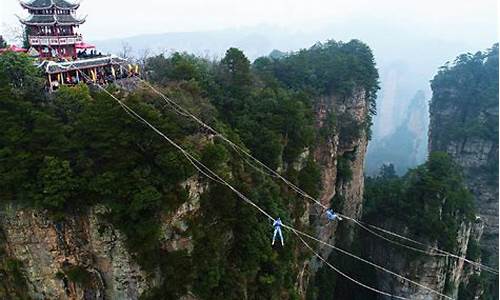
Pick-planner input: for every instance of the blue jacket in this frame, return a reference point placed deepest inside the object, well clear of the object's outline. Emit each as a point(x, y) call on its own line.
point(331, 215)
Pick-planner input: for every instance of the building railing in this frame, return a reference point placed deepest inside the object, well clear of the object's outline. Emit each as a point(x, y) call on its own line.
point(54, 40)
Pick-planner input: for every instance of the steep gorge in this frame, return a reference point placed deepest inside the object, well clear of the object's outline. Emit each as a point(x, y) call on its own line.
point(451, 201)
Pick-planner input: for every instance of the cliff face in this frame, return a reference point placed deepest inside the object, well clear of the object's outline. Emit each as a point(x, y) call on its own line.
point(334, 146)
point(341, 156)
point(48, 250)
point(84, 256)
point(353, 151)
point(454, 231)
point(464, 123)
point(438, 273)
point(103, 212)
point(475, 155)
point(478, 157)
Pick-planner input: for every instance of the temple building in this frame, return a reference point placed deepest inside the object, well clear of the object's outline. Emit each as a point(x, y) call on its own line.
point(52, 27)
point(53, 38)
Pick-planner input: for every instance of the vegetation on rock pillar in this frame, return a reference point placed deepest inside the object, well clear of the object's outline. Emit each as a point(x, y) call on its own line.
point(469, 85)
point(464, 123)
point(76, 148)
point(435, 190)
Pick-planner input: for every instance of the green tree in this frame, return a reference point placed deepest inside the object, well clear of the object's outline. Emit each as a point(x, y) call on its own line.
point(69, 102)
point(470, 86)
point(235, 80)
point(387, 171)
point(214, 156)
point(235, 72)
point(19, 75)
point(57, 183)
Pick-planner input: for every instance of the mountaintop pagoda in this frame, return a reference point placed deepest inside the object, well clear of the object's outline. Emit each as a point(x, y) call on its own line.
point(53, 38)
point(51, 27)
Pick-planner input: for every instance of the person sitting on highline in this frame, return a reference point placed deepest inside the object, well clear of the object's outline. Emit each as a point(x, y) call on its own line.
point(331, 215)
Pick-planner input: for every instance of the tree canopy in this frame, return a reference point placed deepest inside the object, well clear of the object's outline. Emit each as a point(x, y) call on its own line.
point(469, 87)
point(435, 190)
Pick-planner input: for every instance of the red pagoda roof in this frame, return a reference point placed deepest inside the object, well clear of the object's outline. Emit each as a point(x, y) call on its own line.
point(13, 48)
point(46, 4)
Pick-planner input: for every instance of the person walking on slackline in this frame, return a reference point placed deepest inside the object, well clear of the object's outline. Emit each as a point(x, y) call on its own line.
point(277, 230)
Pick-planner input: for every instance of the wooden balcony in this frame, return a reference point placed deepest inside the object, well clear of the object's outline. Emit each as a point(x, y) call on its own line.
point(54, 40)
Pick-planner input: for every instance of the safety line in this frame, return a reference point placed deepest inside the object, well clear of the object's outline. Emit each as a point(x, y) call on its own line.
point(275, 174)
point(243, 197)
point(345, 275)
point(479, 265)
point(365, 261)
point(395, 242)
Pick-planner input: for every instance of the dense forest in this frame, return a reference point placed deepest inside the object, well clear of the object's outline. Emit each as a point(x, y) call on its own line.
point(76, 148)
point(435, 190)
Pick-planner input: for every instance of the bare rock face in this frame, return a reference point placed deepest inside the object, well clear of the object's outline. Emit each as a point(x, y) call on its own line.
point(122, 277)
point(174, 225)
point(337, 145)
point(440, 273)
point(352, 190)
point(84, 256)
point(52, 251)
point(348, 192)
point(477, 155)
point(474, 154)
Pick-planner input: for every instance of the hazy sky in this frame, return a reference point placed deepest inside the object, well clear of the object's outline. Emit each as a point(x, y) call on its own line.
point(119, 18)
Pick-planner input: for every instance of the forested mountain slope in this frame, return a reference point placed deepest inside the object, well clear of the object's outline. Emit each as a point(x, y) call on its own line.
point(94, 205)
